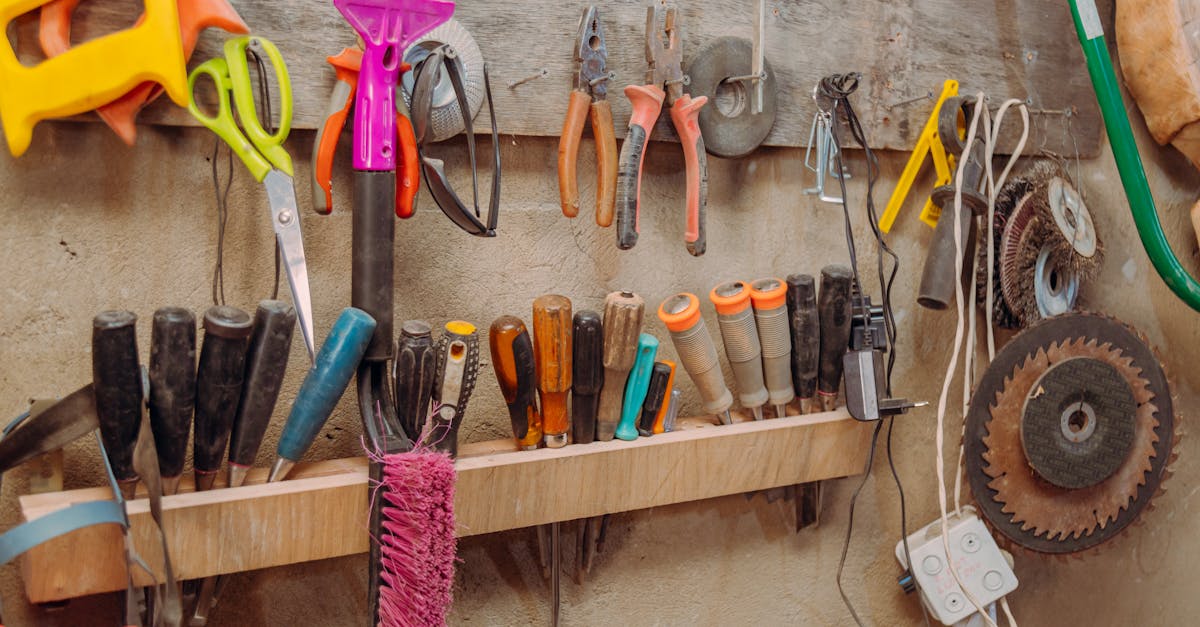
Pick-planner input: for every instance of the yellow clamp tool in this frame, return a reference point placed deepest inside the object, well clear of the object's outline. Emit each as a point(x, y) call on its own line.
point(91, 74)
point(927, 144)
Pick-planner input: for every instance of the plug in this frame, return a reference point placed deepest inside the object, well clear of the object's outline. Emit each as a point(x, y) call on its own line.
point(865, 386)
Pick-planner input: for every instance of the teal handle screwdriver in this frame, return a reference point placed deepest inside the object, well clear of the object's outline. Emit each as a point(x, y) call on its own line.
point(636, 386)
point(323, 386)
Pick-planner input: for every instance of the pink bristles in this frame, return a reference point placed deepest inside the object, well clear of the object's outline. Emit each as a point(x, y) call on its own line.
point(417, 543)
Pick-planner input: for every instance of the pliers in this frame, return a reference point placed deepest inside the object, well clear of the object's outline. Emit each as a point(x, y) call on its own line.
point(346, 65)
point(592, 55)
point(647, 100)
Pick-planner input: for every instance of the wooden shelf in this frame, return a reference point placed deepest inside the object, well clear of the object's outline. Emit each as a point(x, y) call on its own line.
point(321, 511)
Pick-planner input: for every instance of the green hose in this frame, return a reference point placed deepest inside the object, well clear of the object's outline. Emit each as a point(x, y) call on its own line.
point(1129, 162)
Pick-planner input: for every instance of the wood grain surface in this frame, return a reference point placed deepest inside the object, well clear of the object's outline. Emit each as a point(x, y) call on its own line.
point(905, 49)
point(321, 510)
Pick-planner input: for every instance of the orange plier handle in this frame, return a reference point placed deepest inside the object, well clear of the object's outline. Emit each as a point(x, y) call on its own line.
point(346, 65)
point(647, 101)
point(606, 156)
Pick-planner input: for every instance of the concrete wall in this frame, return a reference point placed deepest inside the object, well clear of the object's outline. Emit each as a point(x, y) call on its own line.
point(90, 224)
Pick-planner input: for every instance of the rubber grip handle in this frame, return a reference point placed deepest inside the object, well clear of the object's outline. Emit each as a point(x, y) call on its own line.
point(636, 387)
point(330, 129)
point(833, 307)
point(172, 386)
point(744, 351)
point(587, 374)
point(938, 276)
point(685, 113)
point(336, 363)
point(622, 324)
point(372, 265)
point(552, 346)
point(457, 370)
point(769, 298)
point(266, 364)
point(698, 355)
point(408, 168)
point(414, 374)
point(568, 152)
point(656, 391)
point(118, 386)
point(806, 333)
point(647, 103)
point(218, 384)
point(513, 361)
point(606, 161)
point(660, 420)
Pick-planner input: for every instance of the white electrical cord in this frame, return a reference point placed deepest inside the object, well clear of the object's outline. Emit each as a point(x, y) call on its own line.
point(990, 132)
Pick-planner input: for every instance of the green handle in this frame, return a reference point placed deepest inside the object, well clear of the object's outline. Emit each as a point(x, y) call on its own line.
point(1129, 162)
point(262, 151)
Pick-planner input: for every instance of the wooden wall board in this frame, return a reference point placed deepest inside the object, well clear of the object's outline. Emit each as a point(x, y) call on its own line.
point(321, 511)
point(905, 49)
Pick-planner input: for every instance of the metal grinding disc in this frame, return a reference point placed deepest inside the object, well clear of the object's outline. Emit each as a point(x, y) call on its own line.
point(1055, 289)
point(445, 119)
point(1028, 511)
point(1072, 216)
point(1077, 426)
point(729, 127)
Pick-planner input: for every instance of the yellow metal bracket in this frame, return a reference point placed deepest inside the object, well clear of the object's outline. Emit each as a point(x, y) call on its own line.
point(91, 74)
point(928, 144)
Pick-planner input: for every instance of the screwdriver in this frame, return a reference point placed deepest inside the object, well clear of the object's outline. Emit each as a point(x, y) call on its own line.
point(336, 363)
point(117, 380)
point(457, 368)
point(742, 347)
point(414, 369)
point(833, 307)
point(636, 386)
point(681, 314)
point(769, 297)
point(806, 338)
point(656, 393)
point(172, 389)
point(512, 357)
point(266, 363)
point(552, 345)
point(587, 376)
point(218, 388)
point(660, 419)
point(622, 323)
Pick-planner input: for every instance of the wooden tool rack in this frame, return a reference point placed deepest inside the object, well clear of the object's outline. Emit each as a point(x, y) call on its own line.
point(321, 510)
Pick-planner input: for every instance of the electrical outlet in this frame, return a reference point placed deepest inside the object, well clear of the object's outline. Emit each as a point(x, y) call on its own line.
point(985, 570)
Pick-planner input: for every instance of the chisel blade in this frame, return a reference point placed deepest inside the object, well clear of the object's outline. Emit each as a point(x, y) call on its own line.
point(61, 423)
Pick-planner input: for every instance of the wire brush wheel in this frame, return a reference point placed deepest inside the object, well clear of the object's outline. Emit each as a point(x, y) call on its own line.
point(445, 119)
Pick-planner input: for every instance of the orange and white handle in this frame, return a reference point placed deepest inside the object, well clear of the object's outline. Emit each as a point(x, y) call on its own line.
point(345, 65)
point(684, 115)
point(647, 103)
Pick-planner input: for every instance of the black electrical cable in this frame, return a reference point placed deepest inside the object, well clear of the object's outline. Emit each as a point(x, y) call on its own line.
point(267, 121)
point(838, 88)
point(850, 523)
point(222, 196)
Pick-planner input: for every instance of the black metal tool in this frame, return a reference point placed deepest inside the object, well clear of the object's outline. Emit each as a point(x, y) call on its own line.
point(414, 372)
point(118, 385)
point(172, 389)
point(218, 388)
point(60, 424)
point(266, 363)
point(655, 396)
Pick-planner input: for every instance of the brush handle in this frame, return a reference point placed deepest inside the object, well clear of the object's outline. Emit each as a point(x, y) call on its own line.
point(266, 363)
point(172, 386)
point(336, 363)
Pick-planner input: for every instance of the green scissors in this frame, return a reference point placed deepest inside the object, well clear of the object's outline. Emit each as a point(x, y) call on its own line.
point(262, 152)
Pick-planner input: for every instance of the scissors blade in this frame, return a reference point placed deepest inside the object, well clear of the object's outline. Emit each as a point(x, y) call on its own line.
point(285, 218)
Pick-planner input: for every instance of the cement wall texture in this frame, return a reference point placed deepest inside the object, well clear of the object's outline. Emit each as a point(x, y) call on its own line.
point(90, 224)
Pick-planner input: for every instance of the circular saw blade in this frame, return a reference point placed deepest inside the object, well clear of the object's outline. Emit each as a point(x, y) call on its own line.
point(1025, 508)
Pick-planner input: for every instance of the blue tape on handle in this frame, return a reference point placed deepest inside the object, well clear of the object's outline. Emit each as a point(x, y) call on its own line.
point(30, 534)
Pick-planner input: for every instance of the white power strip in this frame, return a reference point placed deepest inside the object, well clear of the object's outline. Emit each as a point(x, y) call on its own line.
point(984, 569)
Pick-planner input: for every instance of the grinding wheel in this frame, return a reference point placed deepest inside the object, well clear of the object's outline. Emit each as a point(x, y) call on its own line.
point(445, 120)
point(729, 127)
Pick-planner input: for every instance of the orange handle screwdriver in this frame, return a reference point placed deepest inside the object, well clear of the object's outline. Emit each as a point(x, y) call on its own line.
point(512, 356)
point(660, 420)
point(552, 345)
